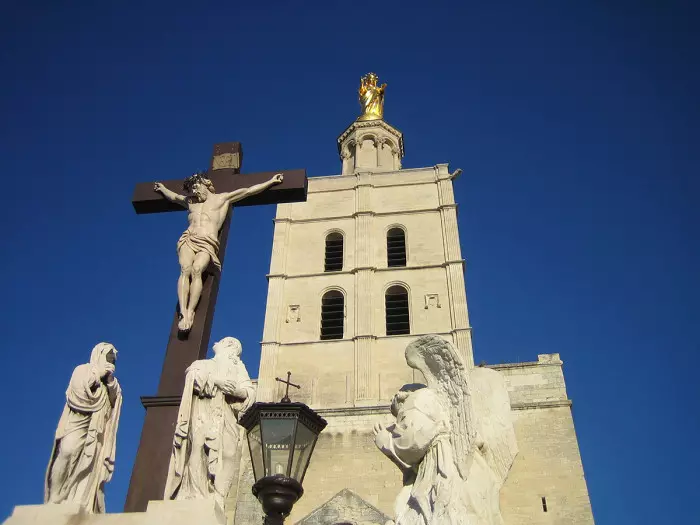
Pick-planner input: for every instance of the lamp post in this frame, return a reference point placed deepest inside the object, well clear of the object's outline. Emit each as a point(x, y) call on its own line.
point(281, 438)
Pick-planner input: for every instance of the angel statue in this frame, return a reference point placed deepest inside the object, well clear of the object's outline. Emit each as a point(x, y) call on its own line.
point(452, 439)
point(371, 98)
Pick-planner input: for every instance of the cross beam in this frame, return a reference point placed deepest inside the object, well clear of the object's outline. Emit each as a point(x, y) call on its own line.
point(292, 189)
point(153, 456)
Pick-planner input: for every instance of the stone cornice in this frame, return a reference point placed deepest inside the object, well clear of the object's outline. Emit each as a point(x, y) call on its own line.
point(351, 411)
point(532, 405)
point(365, 124)
point(160, 401)
point(354, 411)
point(371, 268)
point(363, 336)
point(525, 364)
point(372, 213)
point(371, 185)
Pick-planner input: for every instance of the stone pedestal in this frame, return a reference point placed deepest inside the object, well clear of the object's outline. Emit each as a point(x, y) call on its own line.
point(201, 512)
point(371, 145)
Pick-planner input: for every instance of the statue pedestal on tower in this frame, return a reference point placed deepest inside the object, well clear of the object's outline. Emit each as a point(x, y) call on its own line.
point(202, 512)
point(370, 145)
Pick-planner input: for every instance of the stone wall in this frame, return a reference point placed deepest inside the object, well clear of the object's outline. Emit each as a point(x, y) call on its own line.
point(548, 463)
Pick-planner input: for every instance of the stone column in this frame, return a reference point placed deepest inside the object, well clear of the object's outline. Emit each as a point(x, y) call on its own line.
point(364, 273)
point(454, 265)
point(275, 309)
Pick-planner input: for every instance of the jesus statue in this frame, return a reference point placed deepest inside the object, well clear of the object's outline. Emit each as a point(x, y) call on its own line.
point(199, 244)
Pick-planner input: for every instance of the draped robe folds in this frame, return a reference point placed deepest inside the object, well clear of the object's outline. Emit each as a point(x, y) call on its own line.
point(201, 242)
point(207, 431)
point(90, 416)
point(371, 98)
point(433, 491)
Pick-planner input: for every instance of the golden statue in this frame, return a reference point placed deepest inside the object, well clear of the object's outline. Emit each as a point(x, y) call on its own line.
point(371, 98)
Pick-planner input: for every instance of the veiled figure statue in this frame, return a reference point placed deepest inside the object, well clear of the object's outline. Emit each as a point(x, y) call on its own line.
point(217, 392)
point(82, 459)
point(371, 98)
point(454, 453)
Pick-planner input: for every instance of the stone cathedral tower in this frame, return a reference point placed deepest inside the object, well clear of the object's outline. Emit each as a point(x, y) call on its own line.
point(371, 261)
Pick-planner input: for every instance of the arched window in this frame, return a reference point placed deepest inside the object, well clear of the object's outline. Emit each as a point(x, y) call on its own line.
point(395, 247)
point(396, 304)
point(334, 252)
point(332, 315)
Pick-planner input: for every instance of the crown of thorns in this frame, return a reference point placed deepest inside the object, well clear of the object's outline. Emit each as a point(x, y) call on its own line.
point(199, 177)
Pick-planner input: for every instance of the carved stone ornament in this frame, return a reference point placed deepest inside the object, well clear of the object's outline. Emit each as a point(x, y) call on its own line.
point(293, 313)
point(453, 439)
point(432, 300)
point(217, 391)
point(345, 507)
point(84, 449)
point(226, 160)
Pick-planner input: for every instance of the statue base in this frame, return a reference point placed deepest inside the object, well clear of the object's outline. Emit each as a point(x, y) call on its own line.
point(201, 512)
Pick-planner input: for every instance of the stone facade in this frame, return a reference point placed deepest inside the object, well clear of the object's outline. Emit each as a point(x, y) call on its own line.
point(549, 463)
point(350, 381)
point(367, 366)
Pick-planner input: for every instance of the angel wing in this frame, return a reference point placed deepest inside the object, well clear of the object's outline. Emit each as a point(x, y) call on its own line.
point(491, 406)
point(445, 372)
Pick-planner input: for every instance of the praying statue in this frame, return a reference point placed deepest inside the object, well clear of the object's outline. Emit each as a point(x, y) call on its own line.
point(453, 440)
point(198, 246)
point(82, 459)
point(217, 392)
point(371, 98)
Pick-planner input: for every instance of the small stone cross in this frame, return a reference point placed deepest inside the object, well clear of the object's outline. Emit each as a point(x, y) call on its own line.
point(286, 399)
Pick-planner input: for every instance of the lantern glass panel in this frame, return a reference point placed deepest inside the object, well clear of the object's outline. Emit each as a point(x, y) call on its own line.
point(256, 454)
point(303, 446)
point(278, 439)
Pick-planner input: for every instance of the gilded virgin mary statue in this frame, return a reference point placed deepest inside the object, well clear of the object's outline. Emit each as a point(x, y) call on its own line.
point(371, 98)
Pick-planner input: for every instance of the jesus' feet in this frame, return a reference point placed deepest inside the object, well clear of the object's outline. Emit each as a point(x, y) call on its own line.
point(185, 322)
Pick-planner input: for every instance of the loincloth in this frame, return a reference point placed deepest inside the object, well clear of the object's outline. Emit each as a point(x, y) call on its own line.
point(198, 243)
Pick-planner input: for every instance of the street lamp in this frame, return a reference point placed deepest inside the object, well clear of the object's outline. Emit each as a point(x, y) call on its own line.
point(281, 438)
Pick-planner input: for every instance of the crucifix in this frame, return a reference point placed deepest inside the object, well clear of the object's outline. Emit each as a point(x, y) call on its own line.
point(201, 251)
point(286, 399)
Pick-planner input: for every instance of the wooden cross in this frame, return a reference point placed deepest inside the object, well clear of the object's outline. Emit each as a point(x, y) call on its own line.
point(286, 399)
point(153, 456)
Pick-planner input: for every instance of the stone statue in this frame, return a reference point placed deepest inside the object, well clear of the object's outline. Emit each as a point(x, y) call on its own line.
point(371, 97)
point(217, 392)
point(452, 475)
point(82, 459)
point(199, 244)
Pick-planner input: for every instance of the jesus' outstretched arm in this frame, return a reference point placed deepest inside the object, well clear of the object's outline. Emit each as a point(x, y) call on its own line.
point(170, 195)
point(238, 195)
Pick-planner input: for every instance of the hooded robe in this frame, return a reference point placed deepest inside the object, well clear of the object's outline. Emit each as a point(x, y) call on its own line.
point(90, 416)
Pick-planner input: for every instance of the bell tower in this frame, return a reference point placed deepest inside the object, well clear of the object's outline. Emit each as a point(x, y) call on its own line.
point(369, 263)
point(370, 145)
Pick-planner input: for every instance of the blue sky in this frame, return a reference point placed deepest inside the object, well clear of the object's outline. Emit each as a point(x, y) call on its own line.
point(576, 125)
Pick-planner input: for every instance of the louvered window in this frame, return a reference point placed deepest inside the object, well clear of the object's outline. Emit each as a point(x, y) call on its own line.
point(332, 315)
point(334, 252)
point(396, 247)
point(396, 303)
